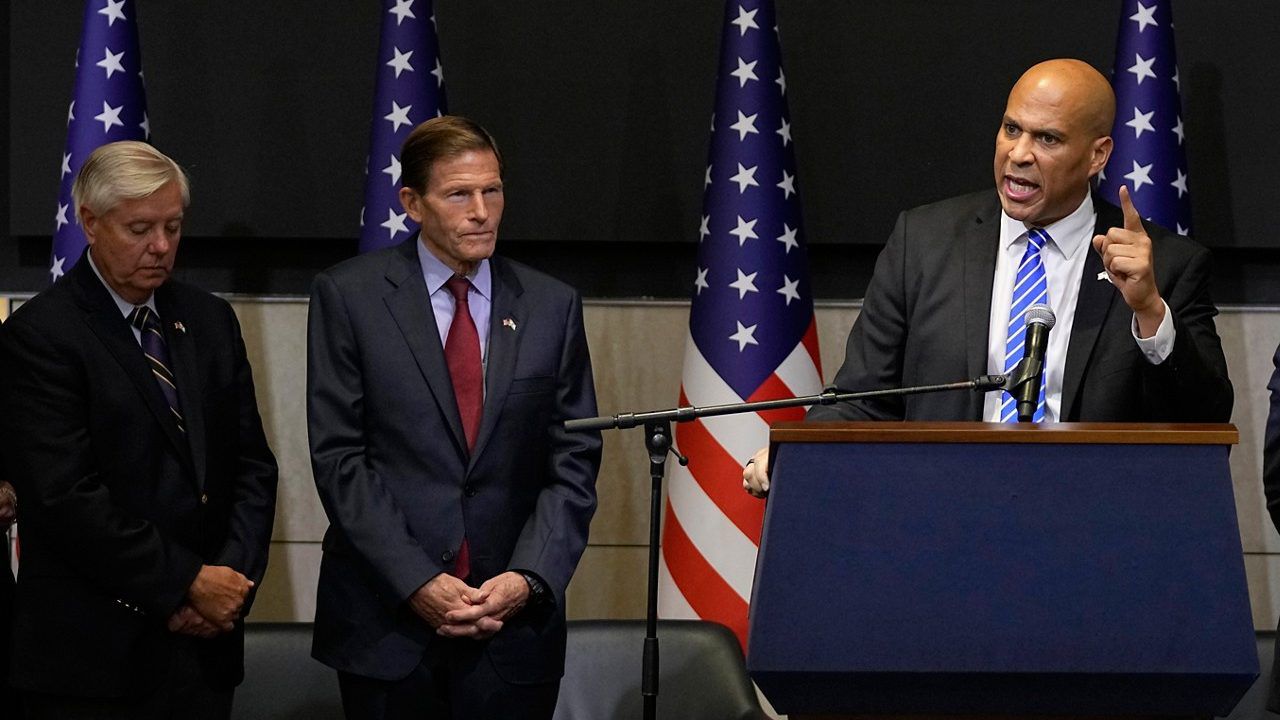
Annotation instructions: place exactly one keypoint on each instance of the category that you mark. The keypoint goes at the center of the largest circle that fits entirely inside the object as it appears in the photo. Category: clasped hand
(455, 609)
(214, 602)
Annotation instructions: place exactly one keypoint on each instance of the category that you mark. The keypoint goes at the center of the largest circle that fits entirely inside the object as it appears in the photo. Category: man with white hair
(132, 435)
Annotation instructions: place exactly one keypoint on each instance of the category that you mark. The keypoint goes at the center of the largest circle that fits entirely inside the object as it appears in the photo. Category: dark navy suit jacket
(395, 477)
(119, 508)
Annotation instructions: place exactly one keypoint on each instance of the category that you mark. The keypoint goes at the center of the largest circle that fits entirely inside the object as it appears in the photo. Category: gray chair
(702, 675)
(281, 679)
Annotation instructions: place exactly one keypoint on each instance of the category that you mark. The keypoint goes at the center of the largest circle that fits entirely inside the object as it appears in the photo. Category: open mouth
(1018, 189)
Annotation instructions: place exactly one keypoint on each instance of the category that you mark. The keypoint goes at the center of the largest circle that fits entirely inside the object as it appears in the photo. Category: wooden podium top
(1005, 433)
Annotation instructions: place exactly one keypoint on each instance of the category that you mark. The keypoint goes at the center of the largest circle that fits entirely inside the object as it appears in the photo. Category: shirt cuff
(1157, 348)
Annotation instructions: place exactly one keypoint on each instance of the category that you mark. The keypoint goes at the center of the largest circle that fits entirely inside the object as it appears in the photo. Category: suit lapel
(980, 246)
(106, 322)
(410, 308)
(504, 347)
(1092, 307)
(190, 392)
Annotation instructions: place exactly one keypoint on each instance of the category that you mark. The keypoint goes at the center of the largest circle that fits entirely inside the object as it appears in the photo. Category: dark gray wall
(602, 107)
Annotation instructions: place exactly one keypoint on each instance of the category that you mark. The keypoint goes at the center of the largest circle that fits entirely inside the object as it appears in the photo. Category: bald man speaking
(1134, 340)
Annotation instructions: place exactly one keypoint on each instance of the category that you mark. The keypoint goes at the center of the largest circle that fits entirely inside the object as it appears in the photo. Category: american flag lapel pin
(177, 325)
(509, 323)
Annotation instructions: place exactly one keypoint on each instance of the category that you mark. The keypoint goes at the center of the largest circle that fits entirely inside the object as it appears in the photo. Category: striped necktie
(157, 353)
(1029, 287)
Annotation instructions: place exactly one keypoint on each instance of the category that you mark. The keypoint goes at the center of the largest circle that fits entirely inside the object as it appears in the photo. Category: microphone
(1026, 381)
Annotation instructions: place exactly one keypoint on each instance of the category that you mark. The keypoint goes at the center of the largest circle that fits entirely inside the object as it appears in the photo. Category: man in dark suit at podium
(438, 380)
(132, 435)
(1135, 339)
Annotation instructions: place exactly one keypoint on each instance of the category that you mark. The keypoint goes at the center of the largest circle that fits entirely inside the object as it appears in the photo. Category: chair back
(701, 676)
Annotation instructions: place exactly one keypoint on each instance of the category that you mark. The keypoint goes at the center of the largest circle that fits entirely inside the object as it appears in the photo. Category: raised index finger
(1132, 220)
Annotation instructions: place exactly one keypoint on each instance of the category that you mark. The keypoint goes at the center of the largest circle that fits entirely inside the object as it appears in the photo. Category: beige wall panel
(1249, 339)
(834, 322)
(1264, 589)
(636, 354)
(275, 335)
(288, 592)
(611, 583)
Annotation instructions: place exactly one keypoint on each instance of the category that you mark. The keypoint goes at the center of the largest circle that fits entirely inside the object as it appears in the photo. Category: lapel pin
(509, 323)
(180, 327)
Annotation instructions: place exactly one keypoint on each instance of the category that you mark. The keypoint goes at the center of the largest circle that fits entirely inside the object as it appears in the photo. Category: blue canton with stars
(109, 104)
(1149, 155)
(409, 91)
(751, 303)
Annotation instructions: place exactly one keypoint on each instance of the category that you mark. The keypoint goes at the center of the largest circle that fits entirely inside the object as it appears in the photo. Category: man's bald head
(1083, 89)
(1054, 137)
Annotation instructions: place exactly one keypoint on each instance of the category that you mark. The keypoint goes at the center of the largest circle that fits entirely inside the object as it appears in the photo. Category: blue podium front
(964, 568)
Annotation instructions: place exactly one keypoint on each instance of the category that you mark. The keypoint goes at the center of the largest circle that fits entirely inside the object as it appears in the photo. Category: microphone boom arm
(830, 396)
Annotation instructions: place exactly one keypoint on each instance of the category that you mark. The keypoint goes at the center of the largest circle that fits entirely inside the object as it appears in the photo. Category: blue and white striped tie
(1029, 287)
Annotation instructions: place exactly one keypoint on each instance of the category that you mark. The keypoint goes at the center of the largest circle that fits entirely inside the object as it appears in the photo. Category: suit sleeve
(1191, 385)
(47, 420)
(1271, 446)
(555, 535)
(873, 355)
(354, 497)
(254, 489)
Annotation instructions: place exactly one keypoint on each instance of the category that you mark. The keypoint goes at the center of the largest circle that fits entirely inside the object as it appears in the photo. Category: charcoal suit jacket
(927, 309)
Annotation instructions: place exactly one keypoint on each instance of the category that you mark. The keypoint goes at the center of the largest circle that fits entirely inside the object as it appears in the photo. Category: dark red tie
(462, 353)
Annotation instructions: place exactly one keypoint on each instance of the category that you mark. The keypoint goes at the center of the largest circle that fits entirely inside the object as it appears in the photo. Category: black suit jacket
(119, 509)
(1271, 487)
(393, 471)
(7, 698)
(925, 318)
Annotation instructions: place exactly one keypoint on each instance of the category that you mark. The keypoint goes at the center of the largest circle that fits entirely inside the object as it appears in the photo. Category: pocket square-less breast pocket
(542, 384)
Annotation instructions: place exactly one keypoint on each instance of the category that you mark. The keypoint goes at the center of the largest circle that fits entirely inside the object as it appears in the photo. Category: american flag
(1149, 155)
(751, 326)
(409, 90)
(109, 105)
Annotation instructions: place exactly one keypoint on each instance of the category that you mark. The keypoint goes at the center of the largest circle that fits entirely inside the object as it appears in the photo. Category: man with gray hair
(131, 431)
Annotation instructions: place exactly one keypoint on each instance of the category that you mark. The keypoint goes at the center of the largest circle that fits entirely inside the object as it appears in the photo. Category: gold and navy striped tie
(157, 353)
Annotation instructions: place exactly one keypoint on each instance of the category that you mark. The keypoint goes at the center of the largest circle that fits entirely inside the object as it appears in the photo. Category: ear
(1101, 154)
(409, 201)
(89, 224)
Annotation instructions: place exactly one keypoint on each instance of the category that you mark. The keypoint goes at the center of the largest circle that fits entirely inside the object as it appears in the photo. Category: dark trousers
(460, 684)
(183, 694)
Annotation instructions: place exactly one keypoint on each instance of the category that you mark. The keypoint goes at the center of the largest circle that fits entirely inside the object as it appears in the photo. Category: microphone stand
(657, 441)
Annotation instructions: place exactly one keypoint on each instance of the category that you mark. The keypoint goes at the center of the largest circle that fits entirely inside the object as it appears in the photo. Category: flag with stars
(409, 90)
(1149, 155)
(108, 105)
(751, 326)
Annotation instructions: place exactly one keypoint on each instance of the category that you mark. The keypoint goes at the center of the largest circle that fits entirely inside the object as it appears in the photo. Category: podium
(1078, 569)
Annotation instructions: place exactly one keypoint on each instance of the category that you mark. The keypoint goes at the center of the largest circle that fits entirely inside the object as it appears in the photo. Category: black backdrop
(602, 111)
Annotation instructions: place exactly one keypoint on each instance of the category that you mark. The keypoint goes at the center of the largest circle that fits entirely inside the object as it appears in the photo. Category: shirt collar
(1069, 234)
(436, 273)
(125, 306)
